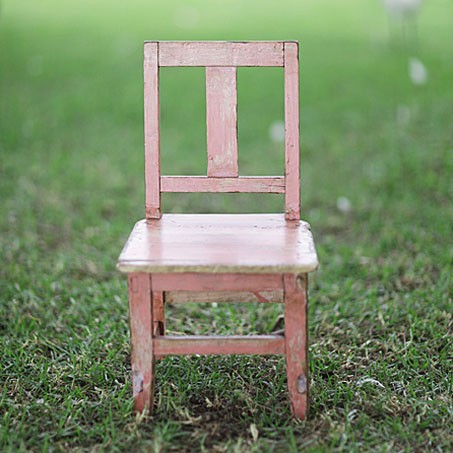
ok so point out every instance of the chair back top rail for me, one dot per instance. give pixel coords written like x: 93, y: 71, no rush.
x: 221, y: 60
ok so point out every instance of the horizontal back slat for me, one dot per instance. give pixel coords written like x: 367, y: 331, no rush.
x: 221, y: 54
x: 250, y: 184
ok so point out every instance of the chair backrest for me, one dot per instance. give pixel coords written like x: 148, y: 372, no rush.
x: 221, y: 60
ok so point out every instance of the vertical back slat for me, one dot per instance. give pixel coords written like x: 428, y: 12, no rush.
x: 152, y: 134
x: 292, y: 170
x: 221, y: 121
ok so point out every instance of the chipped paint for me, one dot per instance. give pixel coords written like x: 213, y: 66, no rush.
x: 137, y: 383
x: 301, y: 384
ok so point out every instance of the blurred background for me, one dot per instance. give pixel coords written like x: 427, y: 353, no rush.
x: 376, y: 153
x: 376, y: 115
x: 375, y: 103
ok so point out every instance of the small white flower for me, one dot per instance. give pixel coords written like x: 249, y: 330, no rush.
x: 344, y: 205
x: 254, y: 432
x: 277, y: 131
x: 417, y: 72
x: 402, y: 8
x: 368, y: 380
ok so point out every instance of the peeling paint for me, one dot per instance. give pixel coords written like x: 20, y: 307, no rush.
x: 301, y: 280
x: 137, y: 383
x: 302, y: 384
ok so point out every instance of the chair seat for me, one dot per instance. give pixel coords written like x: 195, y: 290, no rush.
x: 212, y: 243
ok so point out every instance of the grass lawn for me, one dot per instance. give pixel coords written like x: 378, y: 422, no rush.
x: 377, y: 168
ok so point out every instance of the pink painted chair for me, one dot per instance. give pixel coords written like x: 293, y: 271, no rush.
x: 219, y: 257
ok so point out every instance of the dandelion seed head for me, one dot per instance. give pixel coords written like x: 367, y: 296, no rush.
x: 277, y: 131
x: 417, y: 72
x: 402, y: 8
x: 344, y: 205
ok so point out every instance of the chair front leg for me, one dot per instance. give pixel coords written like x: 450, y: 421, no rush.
x: 296, y: 342
x: 141, y: 325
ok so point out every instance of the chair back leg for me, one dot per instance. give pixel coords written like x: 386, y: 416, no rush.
x: 158, y: 313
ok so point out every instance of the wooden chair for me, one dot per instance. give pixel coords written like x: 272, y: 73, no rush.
x: 203, y: 257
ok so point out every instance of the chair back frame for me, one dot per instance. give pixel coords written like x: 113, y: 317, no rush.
x: 221, y: 60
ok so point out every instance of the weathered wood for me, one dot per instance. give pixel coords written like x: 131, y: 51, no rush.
x: 220, y: 257
x: 292, y: 170
x: 152, y: 132
x: 296, y: 342
x: 192, y: 281
x: 141, y: 324
x: 220, y: 243
x: 178, y: 297
x: 250, y: 184
x: 158, y: 313
x: 235, y: 344
x: 221, y: 121
x: 221, y: 53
